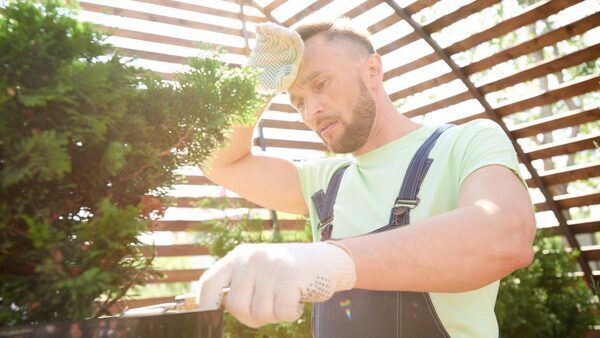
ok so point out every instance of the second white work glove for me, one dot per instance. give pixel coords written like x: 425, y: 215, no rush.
x: 277, y: 56
x: 270, y: 282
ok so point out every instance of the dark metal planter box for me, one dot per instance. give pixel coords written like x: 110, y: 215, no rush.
x: 180, y: 324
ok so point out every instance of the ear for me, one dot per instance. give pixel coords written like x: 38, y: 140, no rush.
x: 375, y: 70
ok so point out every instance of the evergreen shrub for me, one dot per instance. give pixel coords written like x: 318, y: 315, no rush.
x: 84, y: 138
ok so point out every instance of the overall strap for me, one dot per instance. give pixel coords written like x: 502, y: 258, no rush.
x: 417, y: 169
x: 324, y: 203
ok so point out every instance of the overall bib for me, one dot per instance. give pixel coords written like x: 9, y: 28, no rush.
x: 367, y: 313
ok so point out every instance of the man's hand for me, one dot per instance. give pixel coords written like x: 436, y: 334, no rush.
x: 269, y: 282
x: 277, y: 55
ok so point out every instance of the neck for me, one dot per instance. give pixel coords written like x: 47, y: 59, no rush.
x: 389, y: 125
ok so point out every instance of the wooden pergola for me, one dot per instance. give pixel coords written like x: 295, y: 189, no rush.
x: 239, y: 17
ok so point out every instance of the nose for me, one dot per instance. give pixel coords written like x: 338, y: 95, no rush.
x: 312, y: 107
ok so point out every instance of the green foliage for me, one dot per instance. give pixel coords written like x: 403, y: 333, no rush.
x: 224, y: 235
x: 83, y: 138
x: 544, y: 300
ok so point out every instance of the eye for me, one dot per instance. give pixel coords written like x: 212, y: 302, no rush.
x: 321, y: 84
x: 300, y: 104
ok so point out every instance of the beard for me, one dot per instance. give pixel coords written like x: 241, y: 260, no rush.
x: 357, y: 131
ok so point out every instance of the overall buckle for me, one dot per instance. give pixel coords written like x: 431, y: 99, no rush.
x: 403, y: 205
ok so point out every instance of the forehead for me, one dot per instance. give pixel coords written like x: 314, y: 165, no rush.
x: 321, y: 55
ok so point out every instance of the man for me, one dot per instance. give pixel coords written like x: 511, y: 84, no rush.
x: 411, y: 235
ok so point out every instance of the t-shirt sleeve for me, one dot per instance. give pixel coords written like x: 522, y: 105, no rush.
x: 485, y: 143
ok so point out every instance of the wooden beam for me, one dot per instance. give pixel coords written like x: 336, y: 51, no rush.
x: 569, y: 146
x: 543, y: 68
x: 556, y: 121
x: 273, y: 5
x: 159, y: 18
x: 570, y: 201
x: 419, y: 87
x: 175, y: 225
x: 591, y: 252
x: 566, y: 90
x: 531, y: 14
x: 124, y: 33
x: 282, y: 107
x: 586, y: 225
x: 290, y: 144
x: 203, y: 9
x: 432, y: 27
x: 365, y: 6
x: 534, y: 71
x: 175, y: 250
x: 315, y: 6
x: 177, y: 276
x: 419, y: 5
x: 208, y: 202
x: 568, y: 174
x: 281, y: 124
x: 537, y: 43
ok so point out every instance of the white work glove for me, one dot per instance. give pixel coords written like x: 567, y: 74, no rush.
x: 269, y: 283
x: 277, y: 56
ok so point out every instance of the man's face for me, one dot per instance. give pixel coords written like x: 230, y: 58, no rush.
x: 331, y: 96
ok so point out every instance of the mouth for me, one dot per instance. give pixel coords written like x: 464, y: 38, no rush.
x: 326, y: 127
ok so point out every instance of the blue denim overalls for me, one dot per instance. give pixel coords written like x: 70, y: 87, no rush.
x: 372, y: 314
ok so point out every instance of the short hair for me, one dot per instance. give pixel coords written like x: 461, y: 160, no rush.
x: 340, y: 28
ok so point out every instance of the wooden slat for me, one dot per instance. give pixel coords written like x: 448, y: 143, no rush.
x: 175, y: 250
x: 280, y: 124
x: 537, y: 43
x: 273, y: 5
x: 580, y: 226
x: 163, y: 39
x: 419, y: 87
x: 178, y: 276
x: 165, y: 225
x: 365, y: 6
x: 554, y: 122
x: 419, y: 5
x: 537, y: 70
x: 161, y: 19
x: 571, y: 201
x: 569, y: 146
x: 529, y: 15
x: 454, y: 99
x: 282, y: 107
x: 315, y: 6
x: 432, y: 27
x: 566, y: 90
x: 205, y: 10
x: 290, y: 144
x: 228, y: 202
x: 565, y: 32
x: 569, y: 174
x: 543, y: 68
x: 591, y: 252
x: 139, y: 54
x: 533, y: 13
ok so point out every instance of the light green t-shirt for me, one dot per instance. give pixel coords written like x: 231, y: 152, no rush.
x: 371, y: 184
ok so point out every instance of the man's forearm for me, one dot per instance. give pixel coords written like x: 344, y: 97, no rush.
x: 461, y: 250
x: 237, y: 147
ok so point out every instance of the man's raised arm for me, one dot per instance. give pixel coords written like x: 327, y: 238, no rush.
x: 268, y: 181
